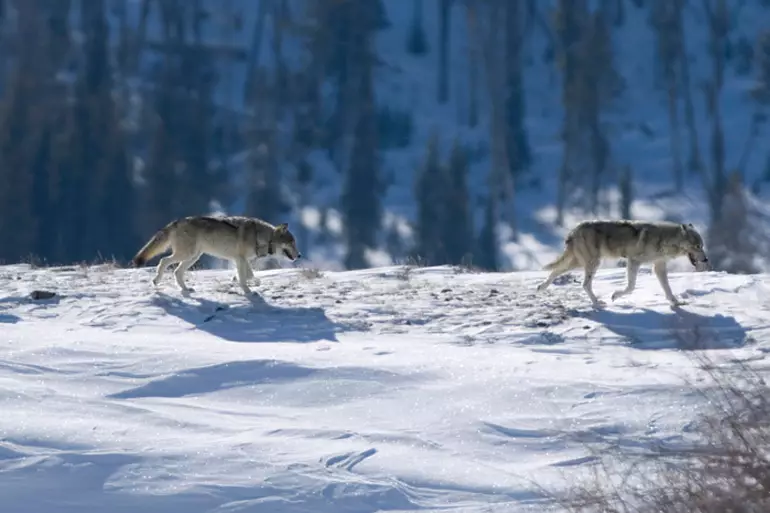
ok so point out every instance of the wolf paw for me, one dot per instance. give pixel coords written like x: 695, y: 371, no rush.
x: 616, y: 295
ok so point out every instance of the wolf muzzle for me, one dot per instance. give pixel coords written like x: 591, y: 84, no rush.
x: 699, y: 263
x: 287, y: 254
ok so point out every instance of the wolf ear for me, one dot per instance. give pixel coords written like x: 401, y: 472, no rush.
x: 684, y: 227
x: 282, y: 227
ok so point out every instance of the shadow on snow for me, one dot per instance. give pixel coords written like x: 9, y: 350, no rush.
x: 254, y: 321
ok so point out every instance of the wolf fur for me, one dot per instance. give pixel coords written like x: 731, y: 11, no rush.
x: 639, y: 242
x: 235, y: 238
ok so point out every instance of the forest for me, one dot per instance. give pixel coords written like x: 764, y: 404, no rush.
x: 118, y: 116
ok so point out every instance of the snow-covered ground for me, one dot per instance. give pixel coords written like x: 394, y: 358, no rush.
x: 380, y: 390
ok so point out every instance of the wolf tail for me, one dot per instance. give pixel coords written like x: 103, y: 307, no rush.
x: 564, y: 259
x: 159, y: 243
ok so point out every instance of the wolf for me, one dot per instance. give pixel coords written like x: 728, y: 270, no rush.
x: 235, y: 238
x: 639, y: 242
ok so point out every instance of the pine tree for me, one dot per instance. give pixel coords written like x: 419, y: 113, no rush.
x: 590, y: 84
x: 715, y: 179
x: 666, y: 16
x: 456, y: 222
x: 44, y: 208
x: 17, y: 181
x: 361, y: 201
x: 520, y: 155
x: 761, y: 90
x: 338, y: 26
x: 161, y: 173
x: 732, y: 240
x: 20, y: 117
x: 179, y: 178
x: 445, y: 11
x: 199, y: 184
x: 164, y: 167
x: 486, y: 254
x: 431, y: 203
x: 112, y: 193
x: 417, y: 43
x: 263, y: 196
x: 626, y: 186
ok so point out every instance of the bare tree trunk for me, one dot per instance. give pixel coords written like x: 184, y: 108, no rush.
x: 568, y: 47
x: 695, y: 162
x: 443, y: 49
x: 517, y: 143
x: 666, y: 17
x: 626, y: 183
x: 716, y: 185
x: 473, y: 68
x: 676, y: 142
x: 599, y: 154
x: 500, y: 177
x: 748, y: 147
x: 280, y: 82
x: 562, y: 184
x: 252, y: 62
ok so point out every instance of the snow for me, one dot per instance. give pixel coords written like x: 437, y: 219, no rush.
x: 387, y: 389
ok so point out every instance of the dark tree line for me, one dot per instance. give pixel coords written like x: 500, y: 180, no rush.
x: 68, y: 194
x: 109, y: 130
x: 72, y: 191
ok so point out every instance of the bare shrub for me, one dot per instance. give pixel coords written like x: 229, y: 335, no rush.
x: 407, y: 265
x: 727, y: 470
x: 467, y: 266
x: 405, y: 273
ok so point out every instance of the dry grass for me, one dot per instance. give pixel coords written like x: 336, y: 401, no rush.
x: 405, y: 273
x: 726, y: 471
x: 407, y: 266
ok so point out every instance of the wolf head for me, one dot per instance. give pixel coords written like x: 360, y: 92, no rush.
x: 283, y: 242
x: 692, y: 246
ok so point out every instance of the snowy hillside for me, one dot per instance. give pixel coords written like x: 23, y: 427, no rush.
x: 637, y: 124
x: 380, y: 390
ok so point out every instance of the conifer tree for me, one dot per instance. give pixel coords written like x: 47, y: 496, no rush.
x: 486, y: 253
x: 431, y: 203
x: 362, y: 189
x: 457, y: 225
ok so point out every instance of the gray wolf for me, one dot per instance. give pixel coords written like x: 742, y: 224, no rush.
x: 639, y: 242
x: 235, y: 238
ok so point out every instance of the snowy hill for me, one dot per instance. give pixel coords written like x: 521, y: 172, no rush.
x: 637, y: 123
x: 389, y: 389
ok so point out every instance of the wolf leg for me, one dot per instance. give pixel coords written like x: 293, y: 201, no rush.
x: 250, y: 274
x: 632, y: 269
x: 165, y: 263
x: 242, y: 267
x: 659, y: 268
x: 590, y: 270
x: 181, y: 269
